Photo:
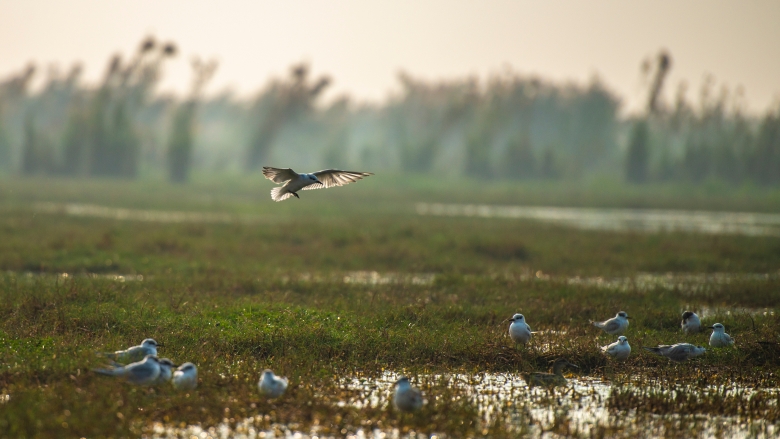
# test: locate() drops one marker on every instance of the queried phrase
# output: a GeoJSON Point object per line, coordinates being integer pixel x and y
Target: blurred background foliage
{"type": "Point", "coordinates": [510, 126]}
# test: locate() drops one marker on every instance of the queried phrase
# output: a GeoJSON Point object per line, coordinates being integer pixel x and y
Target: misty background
{"type": "Point", "coordinates": [502, 124]}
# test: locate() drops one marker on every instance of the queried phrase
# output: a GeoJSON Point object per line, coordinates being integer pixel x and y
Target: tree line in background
{"type": "Point", "coordinates": [507, 127]}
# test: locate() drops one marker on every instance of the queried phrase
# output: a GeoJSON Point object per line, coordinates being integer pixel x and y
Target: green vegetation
{"type": "Point", "coordinates": [269, 291]}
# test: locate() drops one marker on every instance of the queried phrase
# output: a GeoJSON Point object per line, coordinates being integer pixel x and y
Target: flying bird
{"type": "Point", "coordinates": [185, 377]}
{"type": "Point", "coordinates": [135, 353]}
{"type": "Point", "coordinates": [271, 385]}
{"type": "Point", "coordinates": [614, 326]}
{"type": "Point", "coordinates": [619, 350]}
{"type": "Point", "coordinates": [549, 379]}
{"type": "Point", "coordinates": [407, 398]}
{"type": "Point", "coordinates": [293, 182]}
{"type": "Point", "coordinates": [678, 352]}
{"type": "Point", "coordinates": [719, 338]}
{"type": "Point", "coordinates": [690, 323]}
{"type": "Point", "coordinates": [142, 373]}
{"type": "Point", "coordinates": [519, 330]}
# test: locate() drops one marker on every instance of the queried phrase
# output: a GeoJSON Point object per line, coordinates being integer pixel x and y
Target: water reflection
{"type": "Point", "coordinates": [644, 220]}
{"type": "Point", "coordinates": [584, 408]}
{"type": "Point", "coordinates": [159, 216]}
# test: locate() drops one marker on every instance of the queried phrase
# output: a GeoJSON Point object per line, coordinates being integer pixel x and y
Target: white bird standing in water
{"type": "Point", "coordinates": [678, 352]}
{"type": "Point", "coordinates": [135, 353]}
{"type": "Point", "coordinates": [614, 326]}
{"type": "Point", "coordinates": [142, 373]}
{"type": "Point", "coordinates": [293, 182]}
{"type": "Point", "coordinates": [407, 398]}
{"type": "Point", "coordinates": [166, 371]}
{"type": "Point", "coordinates": [690, 323]}
{"type": "Point", "coordinates": [519, 330]}
{"type": "Point", "coordinates": [619, 350]}
{"type": "Point", "coordinates": [185, 377]}
{"type": "Point", "coordinates": [271, 385]}
{"type": "Point", "coordinates": [719, 338]}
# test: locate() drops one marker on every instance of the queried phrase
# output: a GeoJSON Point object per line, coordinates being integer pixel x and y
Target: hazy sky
{"type": "Point", "coordinates": [363, 44]}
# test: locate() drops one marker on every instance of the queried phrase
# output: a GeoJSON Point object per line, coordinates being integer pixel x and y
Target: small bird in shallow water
{"type": "Point", "coordinates": [271, 385]}
{"type": "Point", "coordinates": [135, 353]}
{"type": "Point", "coordinates": [293, 182]}
{"type": "Point", "coordinates": [678, 352]}
{"type": "Point", "coordinates": [614, 326]}
{"type": "Point", "coordinates": [166, 371]}
{"type": "Point", "coordinates": [619, 350]}
{"type": "Point", "coordinates": [719, 338]}
{"type": "Point", "coordinates": [690, 323]}
{"type": "Point", "coordinates": [549, 379]}
{"type": "Point", "coordinates": [407, 398]}
{"type": "Point", "coordinates": [519, 330]}
{"type": "Point", "coordinates": [185, 377]}
{"type": "Point", "coordinates": [142, 373]}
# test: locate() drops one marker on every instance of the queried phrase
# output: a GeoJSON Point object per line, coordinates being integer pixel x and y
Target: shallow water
{"type": "Point", "coordinates": [160, 216]}
{"type": "Point", "coordinates": [643, 220]}
{"type": "Point", "coordinates": [579, 409]}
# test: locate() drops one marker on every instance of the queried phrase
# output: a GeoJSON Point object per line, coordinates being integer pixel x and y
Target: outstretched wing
{"type": "Point", "coordinates": [335, 177]}
{"type": "Point", "coordinates": [279, 175]}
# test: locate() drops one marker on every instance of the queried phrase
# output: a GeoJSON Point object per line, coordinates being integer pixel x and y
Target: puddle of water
{"type": "Point", "coordinates": [582, 408]}
{"type": "Point", "coordinates": [376, 278]}
{"type": "Point", "coordinates": [644, 220]}
{"type": "Point", "coordinates": [110, 276]}
{"type": "Point", "coordinates": [159, 216]}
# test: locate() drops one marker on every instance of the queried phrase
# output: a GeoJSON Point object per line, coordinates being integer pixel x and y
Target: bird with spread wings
{"type": "Point", "coordinates": [292, 182]}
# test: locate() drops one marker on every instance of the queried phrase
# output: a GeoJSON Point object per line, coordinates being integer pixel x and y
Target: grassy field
{"type": "Point", "coordinates": [289, 286]}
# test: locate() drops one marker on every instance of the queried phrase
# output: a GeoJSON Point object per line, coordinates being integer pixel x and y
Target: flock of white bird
{"type": "Point", "coordinates": [140, 365]}
{"type": "Point", "coordinates": [521, 333]}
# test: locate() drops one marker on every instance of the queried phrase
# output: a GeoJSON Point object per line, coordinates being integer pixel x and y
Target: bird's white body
{"type": "Point", "coordinates": [690, 323]}
{"type": "Point", "coordinates": [719, 338]}
{"type": "Point", "coordinates": [406, 397]}
{"type": "Point", "coordinates": [185, 377]}
{"type": "Point", "coordinates": [142, 373]}
{"type": "Point", "coordinates": [619, 350]}
{"type": "Point", "coordinates": [614, 326]}
{"type": "Point", "coordinates": [293, 182]}
{"type": "Point", "coordinates": [678, 352]}
{"type": "Point", "coordinates": [271, 385]}
{"type": "Point", "coordinates": [135, 353]}
{"type": "Point", "coordinates": [519, 330]}
{"type": "Point", "coordinates": [166, 371]}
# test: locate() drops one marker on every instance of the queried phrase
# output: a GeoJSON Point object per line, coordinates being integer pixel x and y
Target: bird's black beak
{"type": "Point", "coordinates": [160, 345]}
{"type": "Point", "coordinates": [711, 327]}
{"type": "Point", "coordinates": [573, 365]}
{"type": "Point", "coordinates": [628, 317]}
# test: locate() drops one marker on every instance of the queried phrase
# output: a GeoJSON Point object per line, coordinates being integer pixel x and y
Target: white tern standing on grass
{"type": "Point", "coordinates": [619, 350]}
{"type": "Point", "coordinates": [185, 377]}
{"type": "Point", "coordinates": [271, 385]}
{"type": "Point", "coordinates": [690, 323]}
{"type": "Point", "coordinates": [614, 326]}
{"type": "Point", "coordinates": [407, 398]}
{"type": "Point", "coordinates": [142, 373]}
{"type": "Point", "coordinates": [519, 330]}
{"type": "Point", "coordinates": [678, 352]}
{"type": "Point", "coordinates": [293, 182]}
{"type": "Point", "coordinates": [135, 353]}
{"type": "Point", "coordinates": [719, 338]}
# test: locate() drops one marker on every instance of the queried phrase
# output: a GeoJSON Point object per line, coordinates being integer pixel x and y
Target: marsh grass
{"type": "Point", "coordinates": [238, 298]}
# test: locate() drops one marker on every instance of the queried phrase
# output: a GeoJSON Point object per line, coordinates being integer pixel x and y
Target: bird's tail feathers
{"type": "Point", "coordinates": [280, 194]}
{"type": "Point", "coordinates": [109, 355]}
{"type": "Point", "coordinates": [109, 372]}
